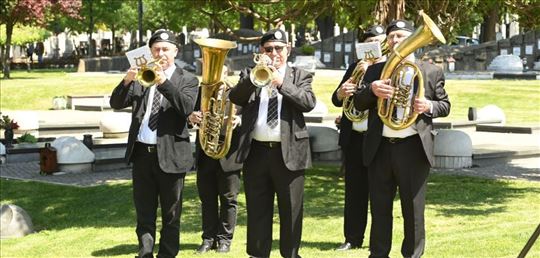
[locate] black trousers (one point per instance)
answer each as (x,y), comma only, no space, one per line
(150,186)
(355,212)
(218,220)
(266,175)
(402,165)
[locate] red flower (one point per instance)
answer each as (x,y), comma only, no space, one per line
(14,125)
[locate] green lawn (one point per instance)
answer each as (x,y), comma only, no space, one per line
(465,217)
(34,91)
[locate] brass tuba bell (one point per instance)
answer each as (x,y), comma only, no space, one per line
(216,108)
(403,73)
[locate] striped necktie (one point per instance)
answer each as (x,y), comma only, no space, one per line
(154,114)
(272,114)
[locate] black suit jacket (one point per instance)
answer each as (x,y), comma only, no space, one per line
(346,124)
(434,91)
(298,97)
(179,95)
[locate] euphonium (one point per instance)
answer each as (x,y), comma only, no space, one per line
(356,77)
(147,75)
(402,74)
(216,108)
(261,75)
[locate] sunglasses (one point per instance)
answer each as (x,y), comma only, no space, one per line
(271,49)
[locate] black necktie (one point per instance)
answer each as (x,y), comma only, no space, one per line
(154,114)
(272,114)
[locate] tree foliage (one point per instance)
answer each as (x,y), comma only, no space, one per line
(24,34)
(31,12)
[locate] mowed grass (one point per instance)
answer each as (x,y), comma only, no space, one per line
(465,217)
(518,98)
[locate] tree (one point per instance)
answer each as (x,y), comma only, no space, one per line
(527,11)
(389,10)
(31,12)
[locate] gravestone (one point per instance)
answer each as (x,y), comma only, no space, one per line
(506,63)
(72,155)
(453,149)
(14,222)
(115,124)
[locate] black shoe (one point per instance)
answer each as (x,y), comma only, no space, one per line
(205,247)
(347,246)
(223,247)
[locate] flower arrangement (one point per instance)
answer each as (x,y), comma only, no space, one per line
(8,123)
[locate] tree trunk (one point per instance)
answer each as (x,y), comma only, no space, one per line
(325,24)
(91,44)
(487,32)
(389,10)
(6,61)
(113,43)
(246,21)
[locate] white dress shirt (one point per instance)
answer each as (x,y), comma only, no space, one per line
(262,132)
(146,135)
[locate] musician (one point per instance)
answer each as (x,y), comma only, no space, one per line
(217,178)
(400,158)
(158,144)
(274,147)
(350,139)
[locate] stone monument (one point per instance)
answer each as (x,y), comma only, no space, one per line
(72,155)
(14,222)
(506,63)
(453,149)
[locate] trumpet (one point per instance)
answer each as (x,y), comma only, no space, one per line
(261,75)
(148,72)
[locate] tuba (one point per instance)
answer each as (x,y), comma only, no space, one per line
(356,77)
(402,74)
(216,108)
(261,75)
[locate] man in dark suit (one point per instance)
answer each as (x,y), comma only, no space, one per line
(217,178)
(351,136)
(400,158)
(158,144)
(274,146)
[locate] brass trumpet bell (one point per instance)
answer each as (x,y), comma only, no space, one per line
(261,75)
(148,75)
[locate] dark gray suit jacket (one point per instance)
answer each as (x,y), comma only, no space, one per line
(298,97)
(179,96)
(434,91)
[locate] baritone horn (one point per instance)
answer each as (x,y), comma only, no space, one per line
(216,108)
(261,75)
(403,74)
(369,53)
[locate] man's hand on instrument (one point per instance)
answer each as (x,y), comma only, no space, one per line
(346,89)
(382,88)
(422,105)
(277,79)
(131,75)
(195,118)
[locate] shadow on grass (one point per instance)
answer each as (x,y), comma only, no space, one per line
(126,249)
(453,195)
(54,207)
(116,250)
